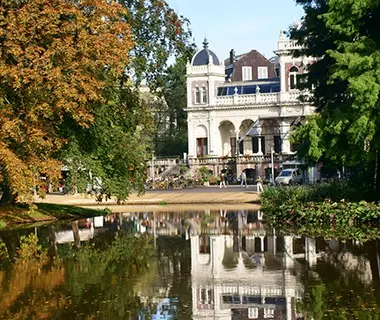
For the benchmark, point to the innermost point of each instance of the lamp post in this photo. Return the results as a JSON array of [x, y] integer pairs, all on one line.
[[152, 170], [272, 163]]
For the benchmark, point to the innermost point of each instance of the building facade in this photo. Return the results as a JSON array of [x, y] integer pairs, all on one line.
[[241, 112]]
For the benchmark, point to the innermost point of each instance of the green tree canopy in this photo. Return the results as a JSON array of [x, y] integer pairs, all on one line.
[[343, 36]]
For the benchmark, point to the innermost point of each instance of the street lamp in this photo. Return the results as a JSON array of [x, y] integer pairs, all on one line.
[[272, 163]]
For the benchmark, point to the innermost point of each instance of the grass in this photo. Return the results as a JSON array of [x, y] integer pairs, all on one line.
[[13, 215]]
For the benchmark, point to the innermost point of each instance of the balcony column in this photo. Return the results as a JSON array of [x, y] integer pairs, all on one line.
[[260, 151], [237, 144], [211, 136], [261, 243], [282, 74], [285, 136], [192, 143], [310, 251], [288, 254]]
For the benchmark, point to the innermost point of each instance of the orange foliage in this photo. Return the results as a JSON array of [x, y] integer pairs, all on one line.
[[30, 275], [56, 58]]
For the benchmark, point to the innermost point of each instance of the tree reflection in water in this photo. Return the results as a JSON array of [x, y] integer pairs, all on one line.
[[222, 263], [345, 285], [75, 283]]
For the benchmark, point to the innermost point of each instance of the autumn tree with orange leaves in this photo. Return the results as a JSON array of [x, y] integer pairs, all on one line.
[[57, 57]]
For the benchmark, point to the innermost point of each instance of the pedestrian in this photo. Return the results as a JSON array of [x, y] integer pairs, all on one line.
[[259, 184], [243, 179], [222, 180]]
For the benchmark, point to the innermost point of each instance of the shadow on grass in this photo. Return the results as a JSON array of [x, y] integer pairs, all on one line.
[[61, 211], [13, 215]]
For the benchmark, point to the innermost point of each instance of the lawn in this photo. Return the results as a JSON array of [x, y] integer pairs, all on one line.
[[12, 215]]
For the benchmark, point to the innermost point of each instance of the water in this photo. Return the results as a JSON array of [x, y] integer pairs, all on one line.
[[214, 264]]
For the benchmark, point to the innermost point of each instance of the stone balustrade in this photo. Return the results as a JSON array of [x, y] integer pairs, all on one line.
[[288, 45], [210, 160], [259, 99]]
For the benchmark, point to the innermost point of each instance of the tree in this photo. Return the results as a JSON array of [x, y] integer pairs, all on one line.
[[115, 148], [56, 60], [343, 35], [170, 136], [174, 141], [158, 33]]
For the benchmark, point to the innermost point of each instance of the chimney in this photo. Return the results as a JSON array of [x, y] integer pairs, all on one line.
[[232, 56]]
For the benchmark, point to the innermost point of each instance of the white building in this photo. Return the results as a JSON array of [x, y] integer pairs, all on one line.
[[237, 123]]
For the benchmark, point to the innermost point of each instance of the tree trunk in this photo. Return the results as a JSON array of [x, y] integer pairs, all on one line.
[[53, 250], [75, 228], [8, 198], [12, 242]]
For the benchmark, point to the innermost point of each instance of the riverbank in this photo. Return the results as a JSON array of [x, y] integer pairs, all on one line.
[[204, 195], [60, 207], [44, 212], [328, 209]]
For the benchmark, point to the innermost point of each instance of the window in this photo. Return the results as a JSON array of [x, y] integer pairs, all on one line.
[[277, 144], [201, 147], [197, 95], [294, 77], [253, 313], [233, 146], [204, 95], [262, 72], [255, 144], [263, 145], [246, 73], [268, 313], [241, 147]]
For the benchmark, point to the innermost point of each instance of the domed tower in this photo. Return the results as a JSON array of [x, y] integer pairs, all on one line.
[[204, 73]]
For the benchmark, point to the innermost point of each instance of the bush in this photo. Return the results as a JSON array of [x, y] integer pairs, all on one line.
[[319, 207], [213, 180]]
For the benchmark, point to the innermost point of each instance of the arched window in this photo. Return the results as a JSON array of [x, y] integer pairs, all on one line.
[[294, 77], [204, 95], [197, 95]]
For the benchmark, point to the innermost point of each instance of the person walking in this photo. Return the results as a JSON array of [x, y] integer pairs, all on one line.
[[259, 184], [222, 180], [243, 178]]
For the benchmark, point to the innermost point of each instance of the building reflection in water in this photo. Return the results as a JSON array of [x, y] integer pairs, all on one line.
[[239, 268], [243, 271]]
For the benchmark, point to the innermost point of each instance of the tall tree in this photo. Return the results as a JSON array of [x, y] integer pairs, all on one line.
[[173, 141], [110, 154], [343, 35], [158, 33], [56, 59]]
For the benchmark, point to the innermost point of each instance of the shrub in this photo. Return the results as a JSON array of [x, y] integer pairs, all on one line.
[[319, 207]]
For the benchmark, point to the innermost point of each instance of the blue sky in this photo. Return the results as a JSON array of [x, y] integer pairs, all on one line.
[[242, 25]]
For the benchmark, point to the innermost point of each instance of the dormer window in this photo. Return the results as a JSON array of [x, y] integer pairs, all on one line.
[[294, 77], [246, 73], [262, 72]]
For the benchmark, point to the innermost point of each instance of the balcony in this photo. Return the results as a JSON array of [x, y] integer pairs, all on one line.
[[288, 45], [213, 160], [258, 99]]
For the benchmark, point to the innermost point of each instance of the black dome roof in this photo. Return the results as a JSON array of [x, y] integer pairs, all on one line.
[[203, 57]]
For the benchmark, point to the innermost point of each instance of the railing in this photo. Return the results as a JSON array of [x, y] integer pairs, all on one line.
[[205, 69], [288, 45], [240, 159], [259, 98]]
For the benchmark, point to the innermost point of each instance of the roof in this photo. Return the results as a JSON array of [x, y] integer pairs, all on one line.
[[202, 57]]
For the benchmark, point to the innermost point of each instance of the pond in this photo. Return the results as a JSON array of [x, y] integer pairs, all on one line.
[[184, 264]]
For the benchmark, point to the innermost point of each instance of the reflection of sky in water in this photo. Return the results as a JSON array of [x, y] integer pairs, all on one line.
[[227, 265]]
